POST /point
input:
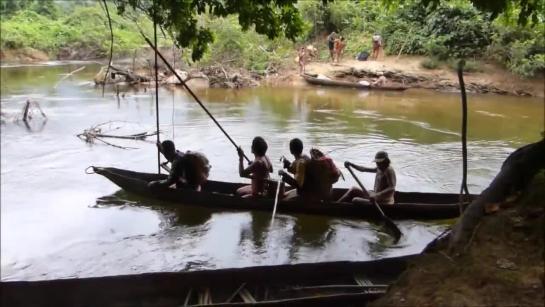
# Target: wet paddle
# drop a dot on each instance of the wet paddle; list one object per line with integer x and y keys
{"x": 387, "y": 222}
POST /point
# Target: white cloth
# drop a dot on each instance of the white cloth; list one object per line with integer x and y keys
{"x": 364, "y": 82}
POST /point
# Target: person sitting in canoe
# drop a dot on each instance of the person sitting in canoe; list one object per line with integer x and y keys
{"x": 297, "y": 168}
{"x": 320, "y": 175}
{"x": 385, "y": 182}
{"x": 188, "y": 170}
{"x": 258, "y": 170}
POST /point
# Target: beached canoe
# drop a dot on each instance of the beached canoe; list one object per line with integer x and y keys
{"x": 314, "y": 284}
{"x": 311, "y": 79}
{"x": 217, "y": 194}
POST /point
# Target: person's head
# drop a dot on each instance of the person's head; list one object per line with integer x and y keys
{"x": 333, "y": 33}
{"x": 316, "y": 153}
{"x": 382, "y": 160}
{"x": 168, "y": 149}
{"x": 259, "y": 146}
{"x": 296, "y": 147}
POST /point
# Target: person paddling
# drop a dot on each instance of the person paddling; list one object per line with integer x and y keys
{"x": 188, "y": 170}
{"x": 297, "y": 168}
{"x": 258, "y": 170}
{"x": 385, "y": 182}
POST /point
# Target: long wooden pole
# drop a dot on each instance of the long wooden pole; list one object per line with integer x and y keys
{"x": 154, "y": 47}
{"x": 156, "y": 89}
{"x": 463, "y": 187}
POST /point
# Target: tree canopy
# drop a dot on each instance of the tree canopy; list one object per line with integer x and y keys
{"x": 180, "y": 18}
{"x": 275, "y": 17}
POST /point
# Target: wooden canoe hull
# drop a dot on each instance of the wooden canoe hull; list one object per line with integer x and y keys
{"x": 339, "y": 83}
{"x": 283, "y": 284}
{"x": 217, "y": 194}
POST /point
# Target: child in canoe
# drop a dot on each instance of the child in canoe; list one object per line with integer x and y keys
{"x": 258, "y": 170}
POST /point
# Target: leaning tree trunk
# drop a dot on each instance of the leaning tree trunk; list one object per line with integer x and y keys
{"x": 516, "y": 172}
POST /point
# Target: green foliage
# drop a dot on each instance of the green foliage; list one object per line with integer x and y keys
{"x": 180, "y": 18}
{"x": 422, "y": 30}
{"x": 465, "y": 34}
{"x": 522, "y": 49}
{"x": 85, "y": 27}
{"x": 246, "y": 49}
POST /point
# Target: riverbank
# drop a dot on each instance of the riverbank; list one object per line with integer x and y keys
{"x": 503, "y": 265}
{"x": 406, "y": 70}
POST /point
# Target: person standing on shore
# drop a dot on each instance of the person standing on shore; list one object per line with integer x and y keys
{"x": 331, "y": 45}
{"x": 377, "y": 45}
{"x": 339, "y": 48}
{"x": 301, "y": 59}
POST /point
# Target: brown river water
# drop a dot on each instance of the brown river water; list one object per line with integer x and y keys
{"x": 52, "y": 227}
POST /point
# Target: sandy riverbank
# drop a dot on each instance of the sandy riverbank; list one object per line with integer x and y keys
{"x": 492, "y": 79}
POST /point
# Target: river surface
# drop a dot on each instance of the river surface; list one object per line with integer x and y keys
{"x": 52, "y": 226}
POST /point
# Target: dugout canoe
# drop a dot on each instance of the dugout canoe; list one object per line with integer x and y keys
{"x": 314, "y": 284}
{"x": 218, "y": 194}
{"x": 339, "y": 83}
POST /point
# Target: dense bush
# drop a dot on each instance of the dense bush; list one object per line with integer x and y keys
{"x": 245, "y": 48}
{"x": 85, "y": 27}
{"x": 522, "y": 49}
{"x": 422, "y": 30}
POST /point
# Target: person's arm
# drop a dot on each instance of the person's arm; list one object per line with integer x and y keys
{"x": 270, "y": 166}
{"x": 245, "y": 172}
{"x": 360, "y": 168}
{"x": 288, "y": 179}
{"x": 241, "y": 170}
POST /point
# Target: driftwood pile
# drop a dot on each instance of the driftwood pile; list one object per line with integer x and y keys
{"x": 219, "y": 77}
{"x": 101, "y": 131}
{"x": 119, "y": 75}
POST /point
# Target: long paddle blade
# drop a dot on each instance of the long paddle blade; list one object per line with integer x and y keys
{"x": 388, "y": 223}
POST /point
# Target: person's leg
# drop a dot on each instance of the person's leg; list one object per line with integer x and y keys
{"x": 361, "y": 201}
{"x": 353, "y": 192}
{"x": 245, "y": 190}
{"x": 290, "y": 195}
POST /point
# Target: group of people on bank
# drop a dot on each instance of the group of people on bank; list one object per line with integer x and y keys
{"x": 308, "y": 177}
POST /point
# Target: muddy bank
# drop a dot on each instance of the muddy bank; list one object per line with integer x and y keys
{"x": 503, "y": 265}
{"x": 407, "y": 70}
{"x": 422, "y": 81}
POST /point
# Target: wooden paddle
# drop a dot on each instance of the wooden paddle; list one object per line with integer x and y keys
{"x": 387, "y": 222}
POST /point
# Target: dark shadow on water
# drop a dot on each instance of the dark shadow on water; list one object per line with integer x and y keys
{"x": 186, "y": 216}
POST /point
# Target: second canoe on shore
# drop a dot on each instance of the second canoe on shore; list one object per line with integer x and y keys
{"x": 312, "y": 79}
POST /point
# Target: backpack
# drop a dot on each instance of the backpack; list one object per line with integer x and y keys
{"x": 197, "y": 167}
{"x": 363, "y": 56}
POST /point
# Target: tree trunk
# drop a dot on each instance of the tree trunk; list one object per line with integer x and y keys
{"x": 516, "y": 172}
